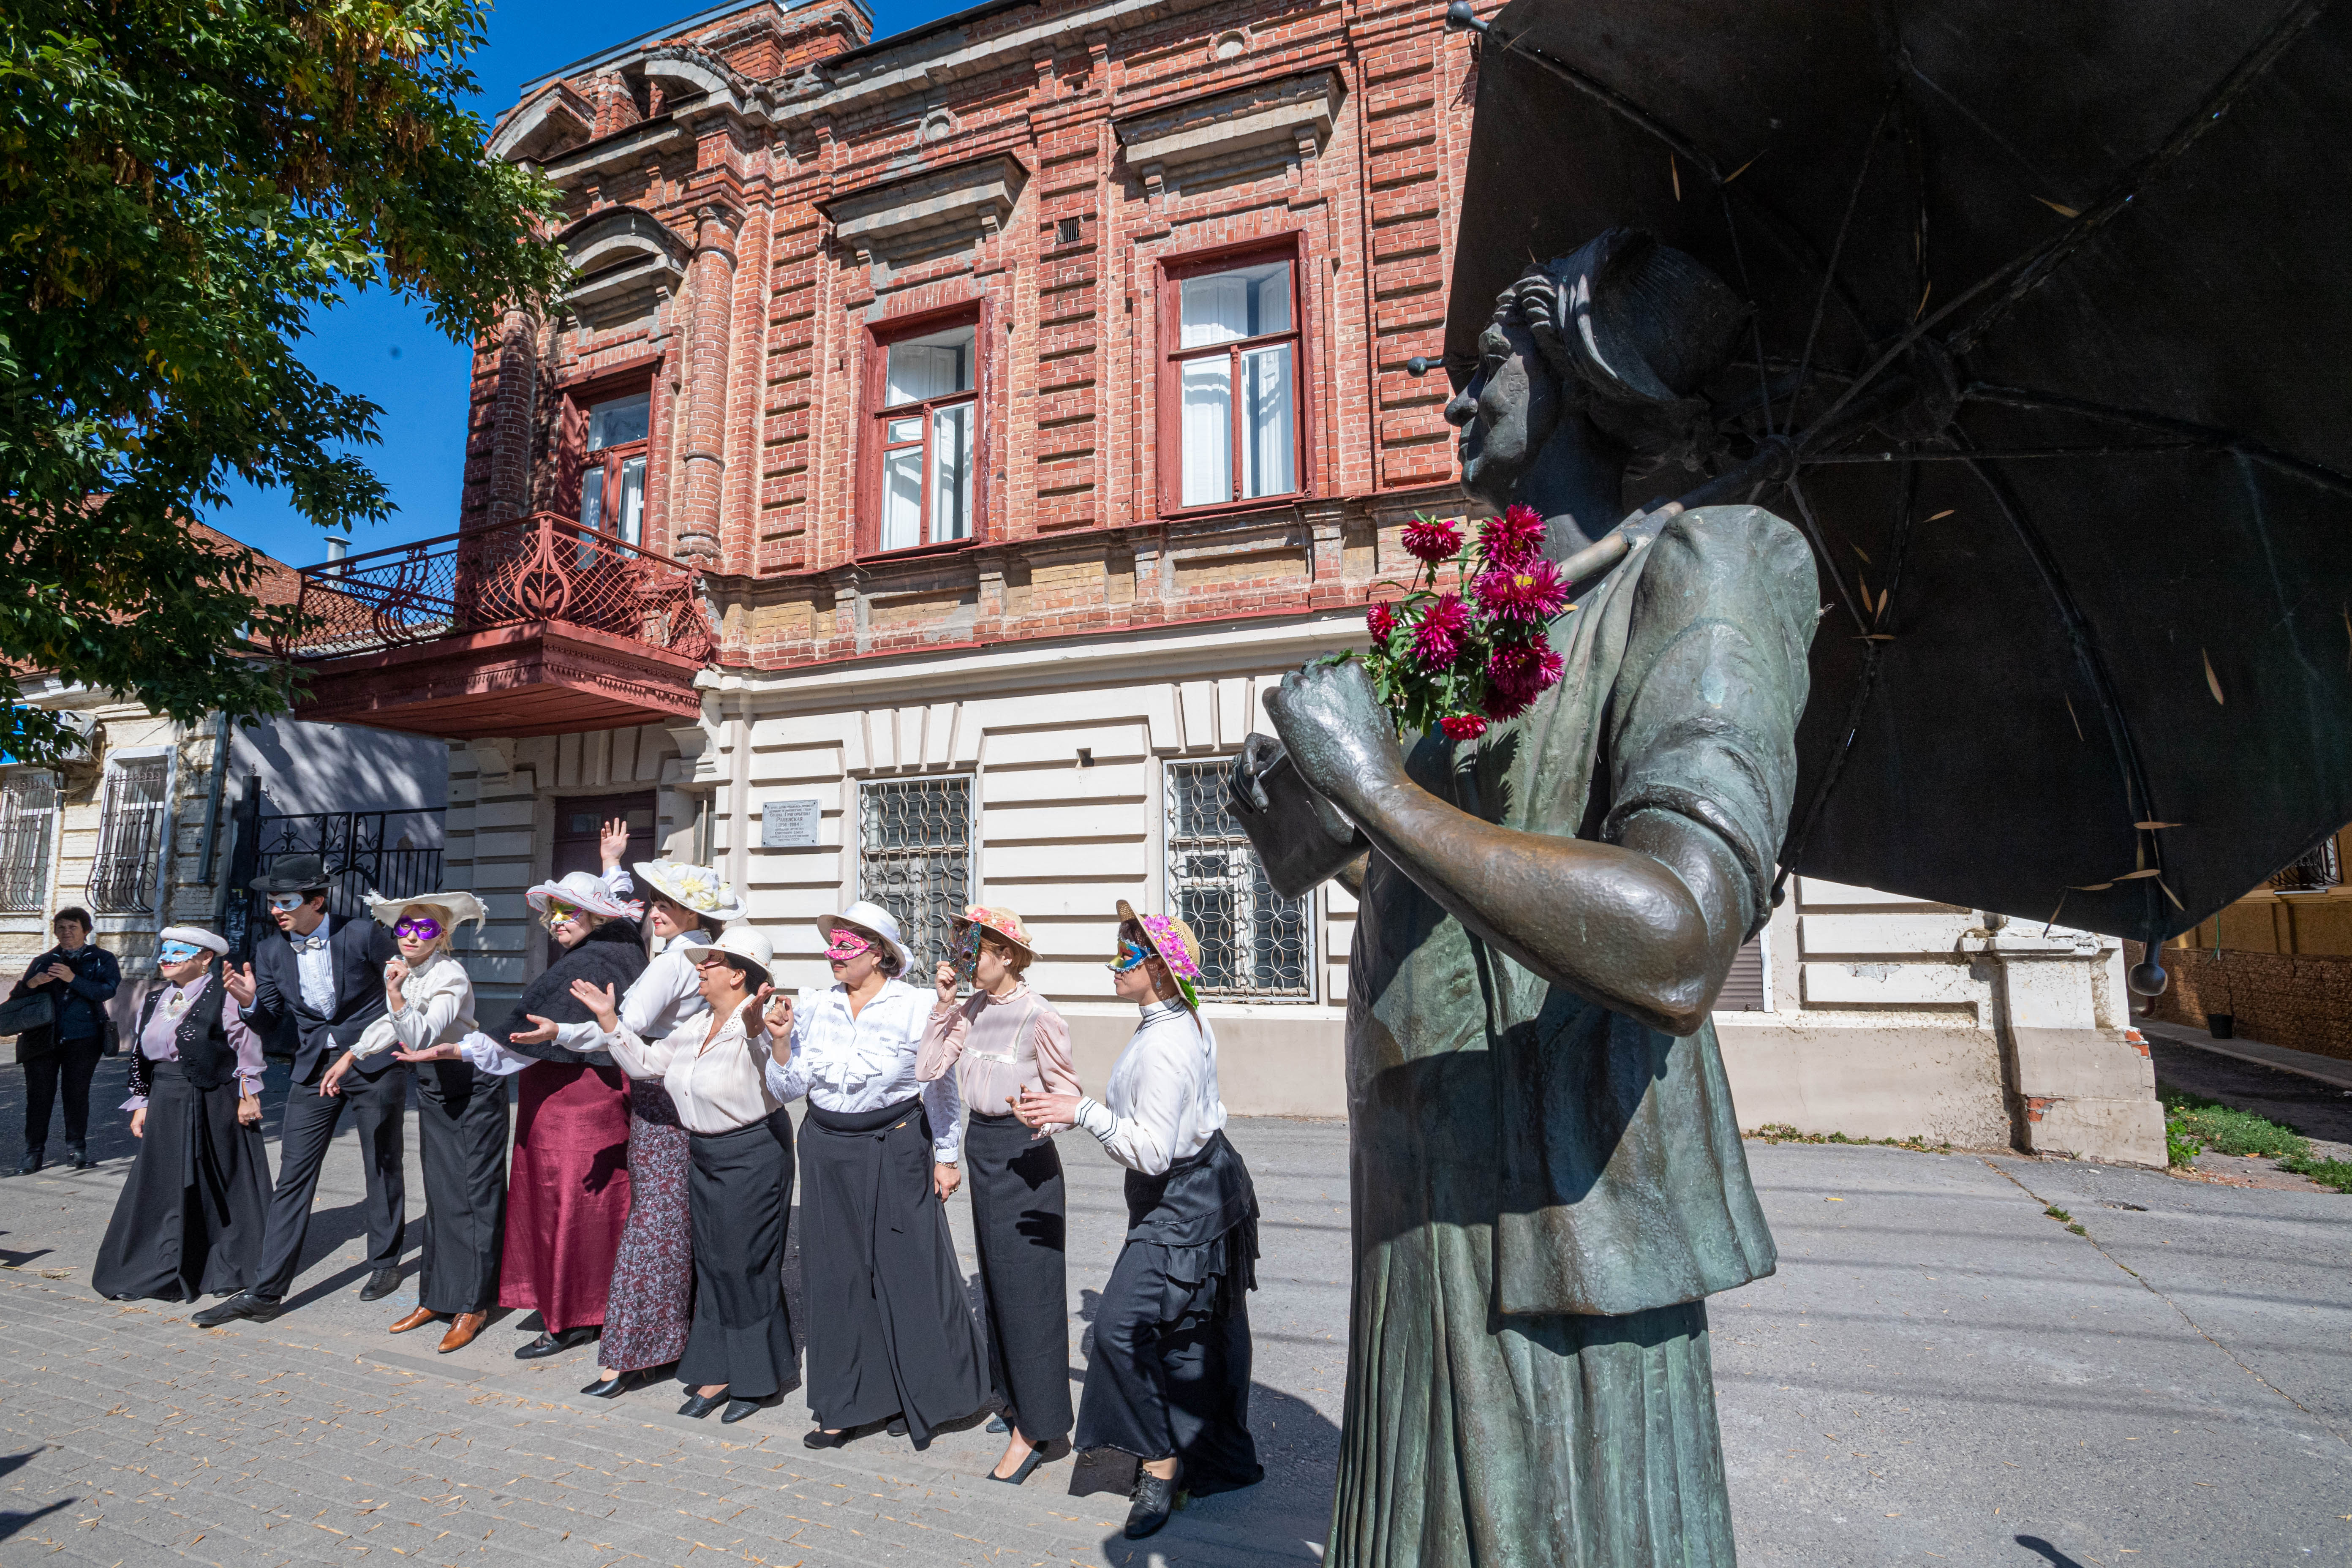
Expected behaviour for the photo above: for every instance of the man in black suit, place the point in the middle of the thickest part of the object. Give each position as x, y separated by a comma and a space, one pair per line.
328, 975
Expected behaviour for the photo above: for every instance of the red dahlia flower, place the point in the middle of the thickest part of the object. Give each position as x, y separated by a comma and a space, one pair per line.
1437, 642
1463, 726
1518, 672
1381, 620
1531, 591
1515, 536
1432, 540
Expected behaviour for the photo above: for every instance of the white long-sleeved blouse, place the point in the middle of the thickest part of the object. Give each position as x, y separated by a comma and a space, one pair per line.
720, 1087
849, 1064
666, 999
437, 1008
1161, 1103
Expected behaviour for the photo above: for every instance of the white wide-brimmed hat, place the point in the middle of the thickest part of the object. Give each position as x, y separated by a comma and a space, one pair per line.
585, 891
747, 942
866, 915
195, 936
697, 888
460, 907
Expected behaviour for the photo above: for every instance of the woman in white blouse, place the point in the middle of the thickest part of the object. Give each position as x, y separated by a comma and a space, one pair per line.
1169, 1379
890, 1337
461, 1114
738, 1353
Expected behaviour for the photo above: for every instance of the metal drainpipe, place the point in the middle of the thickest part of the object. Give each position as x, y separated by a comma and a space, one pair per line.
165, 856
222, 724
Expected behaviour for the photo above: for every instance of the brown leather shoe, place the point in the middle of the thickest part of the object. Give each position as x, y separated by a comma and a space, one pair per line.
462, 1331
417, 1320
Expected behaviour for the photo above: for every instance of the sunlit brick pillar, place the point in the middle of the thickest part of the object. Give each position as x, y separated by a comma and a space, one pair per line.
510, 415
704, 462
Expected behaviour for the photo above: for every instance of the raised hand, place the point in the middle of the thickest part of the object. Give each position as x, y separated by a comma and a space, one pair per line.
754, 1003
944, 977
396, 972
238, 980
599, 1000
542, 1031
614, 842
780, 1017
395, 997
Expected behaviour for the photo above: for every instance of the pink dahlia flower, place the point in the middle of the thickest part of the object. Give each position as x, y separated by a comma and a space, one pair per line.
1515, 536
1381, 620
1530, 591
1437, 641
1463, 726
1432, 540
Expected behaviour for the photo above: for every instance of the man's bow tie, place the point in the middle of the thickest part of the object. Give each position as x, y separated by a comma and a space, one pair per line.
308, 943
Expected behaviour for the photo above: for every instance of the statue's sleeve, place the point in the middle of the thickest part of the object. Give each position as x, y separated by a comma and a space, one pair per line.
1703, 719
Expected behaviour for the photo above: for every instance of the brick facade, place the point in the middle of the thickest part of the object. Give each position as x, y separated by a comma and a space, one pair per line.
719, 163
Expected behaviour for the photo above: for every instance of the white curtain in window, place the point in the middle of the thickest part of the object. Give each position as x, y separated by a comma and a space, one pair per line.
951, 472
918, 370
1216, 310
619, 421
592, 495
632, 513
1270, 445
1208, 431
902, 498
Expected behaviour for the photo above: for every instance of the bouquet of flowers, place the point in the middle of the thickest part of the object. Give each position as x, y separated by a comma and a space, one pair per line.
1454, 661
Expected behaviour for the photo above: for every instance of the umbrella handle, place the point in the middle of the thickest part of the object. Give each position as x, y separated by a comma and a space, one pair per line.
2148, 976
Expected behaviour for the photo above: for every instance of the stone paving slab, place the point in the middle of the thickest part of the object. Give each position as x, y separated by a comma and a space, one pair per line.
1939, 1372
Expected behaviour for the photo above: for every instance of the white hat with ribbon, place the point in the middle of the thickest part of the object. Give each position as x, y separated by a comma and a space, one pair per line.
696, 889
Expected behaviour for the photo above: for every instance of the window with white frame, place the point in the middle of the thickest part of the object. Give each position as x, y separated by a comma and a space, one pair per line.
1254, 941
1236, 361
28, 817
914, 859
130, 836
930, 428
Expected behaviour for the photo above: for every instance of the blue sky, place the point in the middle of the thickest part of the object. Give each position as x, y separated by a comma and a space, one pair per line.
386, 350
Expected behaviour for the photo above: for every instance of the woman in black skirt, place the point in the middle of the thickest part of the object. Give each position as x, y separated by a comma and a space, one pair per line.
188, 1222
1005, 1041
739, 1352
1169, 1380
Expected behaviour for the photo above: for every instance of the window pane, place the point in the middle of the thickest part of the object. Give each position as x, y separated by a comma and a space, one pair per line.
951, 472
902, 498
1254, 941
1269, 448
1246, 303
633, 500
619, 421
130, 832
915, 858
936, 365
904, 430
1208, 431
592, 495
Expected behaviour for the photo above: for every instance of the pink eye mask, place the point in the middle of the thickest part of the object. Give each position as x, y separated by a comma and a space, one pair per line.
846, 945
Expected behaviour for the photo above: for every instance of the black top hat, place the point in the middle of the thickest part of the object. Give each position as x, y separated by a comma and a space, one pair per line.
293, 874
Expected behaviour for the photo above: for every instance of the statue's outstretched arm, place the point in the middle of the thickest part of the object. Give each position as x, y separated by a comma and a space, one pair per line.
1647, 926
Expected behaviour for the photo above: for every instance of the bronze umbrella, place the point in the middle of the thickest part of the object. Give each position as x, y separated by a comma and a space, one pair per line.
2050, 356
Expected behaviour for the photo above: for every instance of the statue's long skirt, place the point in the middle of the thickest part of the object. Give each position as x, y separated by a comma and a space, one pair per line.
1169, 1371
461, 1133
889, 1332
567, 1193
188, 1222
1018, 1223
742, 1196
650, 1304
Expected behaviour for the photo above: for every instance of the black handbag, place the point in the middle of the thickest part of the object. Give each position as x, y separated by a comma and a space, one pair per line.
34, 1010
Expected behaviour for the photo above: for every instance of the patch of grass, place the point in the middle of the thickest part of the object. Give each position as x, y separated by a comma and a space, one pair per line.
2063, 1218
1781, 1133
2193, 1124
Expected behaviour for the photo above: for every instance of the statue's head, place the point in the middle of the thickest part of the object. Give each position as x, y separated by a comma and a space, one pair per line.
1618, 337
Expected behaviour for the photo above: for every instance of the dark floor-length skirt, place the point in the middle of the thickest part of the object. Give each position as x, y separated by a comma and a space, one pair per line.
651, 1300
189, 1220
1017, 1224
568, 1193
742, 1201
888, 1329
461, 1131
1170, 1375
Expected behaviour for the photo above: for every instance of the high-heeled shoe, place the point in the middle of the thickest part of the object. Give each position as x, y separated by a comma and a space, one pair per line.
620, 1383
1153, 1500
701, 1404
1036, 1456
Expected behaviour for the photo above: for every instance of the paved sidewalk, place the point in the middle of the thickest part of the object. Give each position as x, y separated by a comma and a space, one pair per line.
1938, 1372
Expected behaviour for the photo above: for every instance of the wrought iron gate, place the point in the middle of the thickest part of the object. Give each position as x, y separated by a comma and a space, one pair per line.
364, 851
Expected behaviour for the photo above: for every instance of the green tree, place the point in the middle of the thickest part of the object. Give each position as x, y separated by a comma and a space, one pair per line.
182, 184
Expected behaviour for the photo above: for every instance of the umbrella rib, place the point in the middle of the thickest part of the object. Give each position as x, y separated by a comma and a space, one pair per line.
2202, 437
2039, 263
1829, 274
2138, 797
1813, 532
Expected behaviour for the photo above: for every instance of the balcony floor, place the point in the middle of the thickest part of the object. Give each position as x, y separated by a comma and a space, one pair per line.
540, 677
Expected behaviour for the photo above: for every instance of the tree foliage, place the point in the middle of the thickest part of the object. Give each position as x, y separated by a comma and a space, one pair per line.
182, 184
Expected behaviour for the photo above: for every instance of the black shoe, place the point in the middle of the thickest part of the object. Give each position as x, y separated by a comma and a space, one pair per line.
556, 1345
1036, 1456
77, 1157
1155, 1499
30, 1163
818, 1437
380, 1284
701, 1404
620, 1383
244, 1304
738, 1409
998, 1423
898, 1428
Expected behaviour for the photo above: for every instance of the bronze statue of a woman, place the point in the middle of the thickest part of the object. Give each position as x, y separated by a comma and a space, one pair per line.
1546, 1173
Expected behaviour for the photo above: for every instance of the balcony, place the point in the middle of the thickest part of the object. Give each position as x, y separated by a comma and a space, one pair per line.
533, 626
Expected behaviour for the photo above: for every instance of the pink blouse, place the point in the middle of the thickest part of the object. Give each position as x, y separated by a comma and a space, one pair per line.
999, 1046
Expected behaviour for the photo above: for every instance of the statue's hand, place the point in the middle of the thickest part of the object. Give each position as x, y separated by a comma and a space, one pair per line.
1246, 785
1339, 737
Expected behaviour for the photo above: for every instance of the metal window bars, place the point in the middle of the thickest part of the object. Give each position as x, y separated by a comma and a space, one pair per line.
915, 858
1254, 941
2316, 868
28, 815
396, 853
129, 833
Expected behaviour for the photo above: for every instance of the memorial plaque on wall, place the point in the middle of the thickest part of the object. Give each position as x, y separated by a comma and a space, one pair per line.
790, 824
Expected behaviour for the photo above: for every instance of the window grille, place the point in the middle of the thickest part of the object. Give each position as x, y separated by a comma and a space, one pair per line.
1254, 941
2316, 868
28, 815
915, 859
129, 833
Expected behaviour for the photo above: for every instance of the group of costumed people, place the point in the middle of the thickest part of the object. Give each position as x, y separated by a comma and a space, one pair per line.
644, 1202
